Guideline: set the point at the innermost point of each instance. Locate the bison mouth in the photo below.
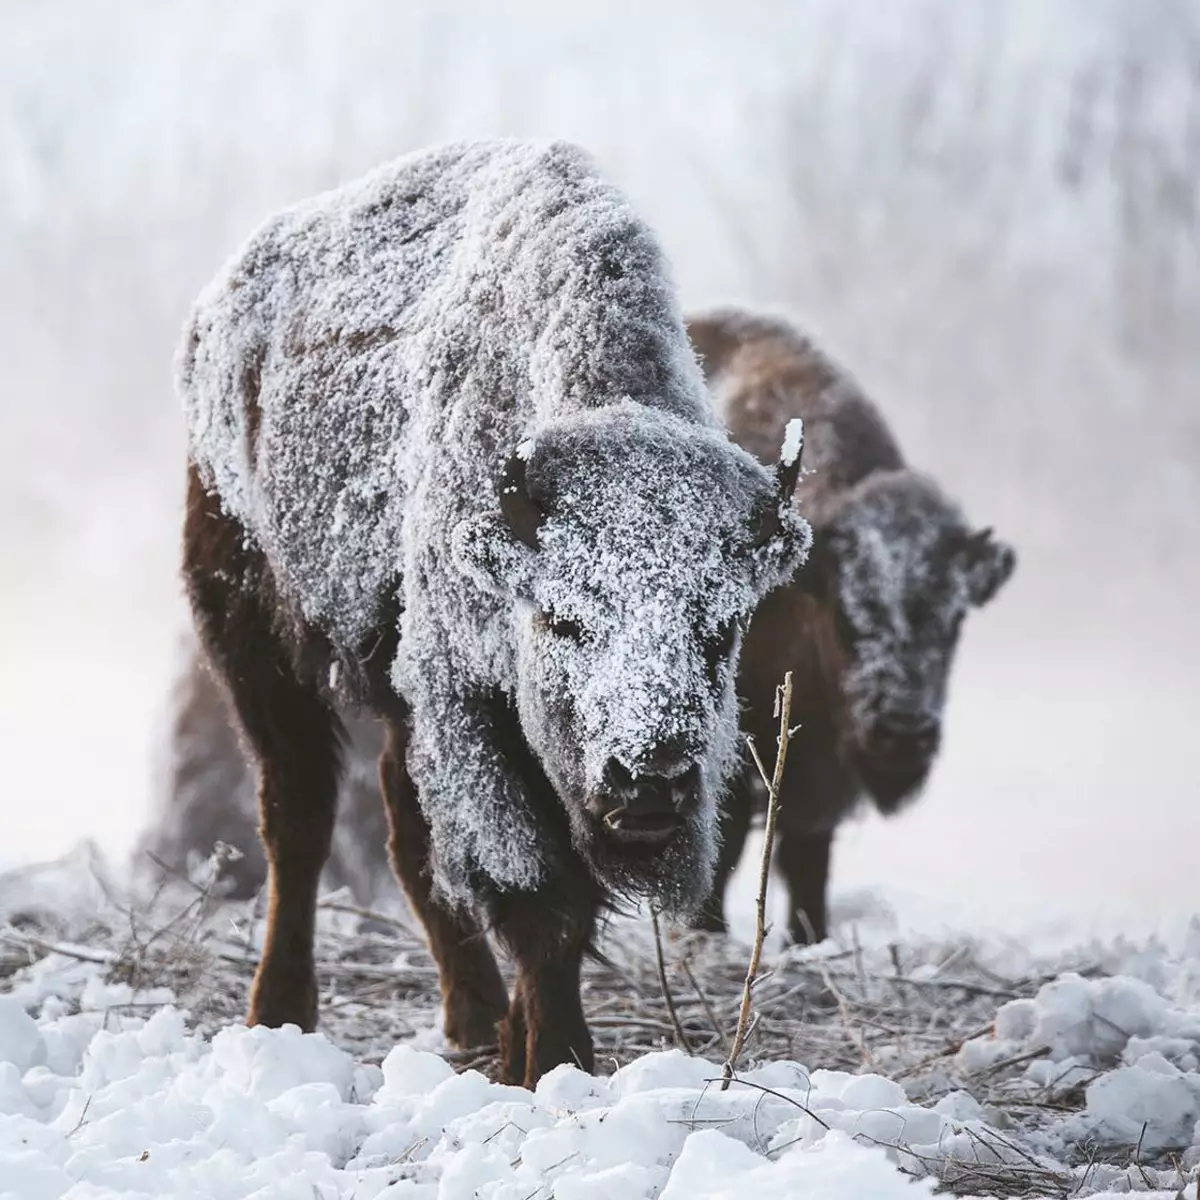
(647, 811)
(893, 758)
(891, 783)
(631, 827)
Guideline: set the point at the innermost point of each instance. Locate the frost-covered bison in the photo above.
(870, 624)
(452, 459)
(205, 792)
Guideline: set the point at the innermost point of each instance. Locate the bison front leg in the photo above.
(498, 836)
(474, 998)
(547, 932)
(803, 860)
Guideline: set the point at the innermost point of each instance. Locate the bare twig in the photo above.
(758, 1087)
(705, 1004)
(680, 1036)
(783, 705)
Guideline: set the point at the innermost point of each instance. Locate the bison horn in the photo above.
(523, 516)
(787, 472)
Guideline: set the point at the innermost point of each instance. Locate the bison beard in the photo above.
(549, 659)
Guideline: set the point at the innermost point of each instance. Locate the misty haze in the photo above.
(988, 214)
(989, 217)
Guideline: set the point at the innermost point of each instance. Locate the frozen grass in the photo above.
(979, 1065)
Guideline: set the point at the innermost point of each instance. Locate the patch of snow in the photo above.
(107, 1090)
(793, 442)
(148, 1109)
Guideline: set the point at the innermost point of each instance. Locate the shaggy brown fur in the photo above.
(206, 792)
(869, 626)
(278, 669)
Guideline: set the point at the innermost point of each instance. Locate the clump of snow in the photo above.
(20, 1043)
(1094, 1019)
(1131, 1049)
(714, 1167)
(355, 380)
(793, 442)
(1152, 1104)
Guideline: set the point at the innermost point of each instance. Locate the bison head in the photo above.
(897, 570)
(632, 548)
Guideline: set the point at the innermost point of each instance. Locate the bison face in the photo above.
(898, 571)
(633, 548)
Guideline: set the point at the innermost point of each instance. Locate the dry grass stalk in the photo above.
(783, 710)
(902, 1014)
(669, 1000)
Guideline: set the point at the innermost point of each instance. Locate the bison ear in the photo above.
(523, 516)
(989, 564)
(787, 472)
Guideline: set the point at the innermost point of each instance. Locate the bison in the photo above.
(869, 625)
(452, 461)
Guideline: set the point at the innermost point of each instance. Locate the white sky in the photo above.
(933, 190)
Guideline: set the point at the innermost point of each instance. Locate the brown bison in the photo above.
(869, 625)
(452, 460)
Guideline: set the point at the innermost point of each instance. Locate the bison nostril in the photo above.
(901, 732)
(618, 779)
(683, 787)
(669, 758)
(651, 797)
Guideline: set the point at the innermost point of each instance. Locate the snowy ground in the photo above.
(877, 1068)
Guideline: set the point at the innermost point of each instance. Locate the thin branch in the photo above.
(783, 704)
(705, 1004)
(680, 1036)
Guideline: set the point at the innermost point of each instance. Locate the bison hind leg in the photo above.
(294, 736)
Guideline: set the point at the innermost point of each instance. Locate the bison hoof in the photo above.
(804, 933)
(283, 998)
(470, 1022)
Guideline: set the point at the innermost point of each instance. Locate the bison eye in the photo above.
(561, 627)
(719, 647)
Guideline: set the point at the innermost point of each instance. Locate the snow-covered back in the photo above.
(901, 566)
(354, 382)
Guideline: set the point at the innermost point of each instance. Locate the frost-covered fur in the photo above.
(870, 625)
(354, 382)
(205, 793)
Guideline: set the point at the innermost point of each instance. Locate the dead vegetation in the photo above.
(903, 1010)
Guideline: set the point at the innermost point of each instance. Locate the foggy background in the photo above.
(989, 213)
